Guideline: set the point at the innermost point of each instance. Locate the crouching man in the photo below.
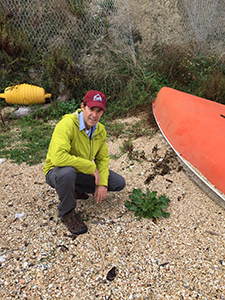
(77, 160)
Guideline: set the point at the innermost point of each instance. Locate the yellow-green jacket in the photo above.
(71, 147)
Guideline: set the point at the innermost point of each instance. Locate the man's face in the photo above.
(91, 115)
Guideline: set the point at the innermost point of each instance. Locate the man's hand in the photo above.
(97, 176)
(100, 190)
(100, 193)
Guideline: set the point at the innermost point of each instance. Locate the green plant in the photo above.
(131, 153)
(57, 110)
(147, 205)
(116, 156)
(26, 140)
(15, 54)
(127, 147)
(59, 69)
(115, 129)
(214, 88)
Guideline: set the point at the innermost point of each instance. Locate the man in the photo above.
(77, 160)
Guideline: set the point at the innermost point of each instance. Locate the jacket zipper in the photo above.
(91, 145)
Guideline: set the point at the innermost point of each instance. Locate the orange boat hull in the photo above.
(195, 127)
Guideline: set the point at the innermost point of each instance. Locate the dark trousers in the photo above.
(64, 180)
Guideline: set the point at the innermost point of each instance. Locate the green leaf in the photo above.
(137, 200)
(153, 195)
(147, 205)
(137, 193)
(148, 214)
(164, 199)
(164, 205)
(148, 192)
(165, 214)
(145, 208)
(130, 206)
(157, 213)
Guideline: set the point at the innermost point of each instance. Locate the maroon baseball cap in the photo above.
(95, 98)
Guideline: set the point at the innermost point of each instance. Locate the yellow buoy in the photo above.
(24, 94)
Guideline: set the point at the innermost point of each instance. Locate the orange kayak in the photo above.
(195, 128)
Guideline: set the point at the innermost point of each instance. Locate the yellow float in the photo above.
(24, 94)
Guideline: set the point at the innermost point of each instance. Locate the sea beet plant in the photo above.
(147, 205)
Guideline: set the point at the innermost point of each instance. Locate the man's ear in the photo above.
(82, 105)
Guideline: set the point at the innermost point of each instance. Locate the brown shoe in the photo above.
(78, 195)
(74, 223)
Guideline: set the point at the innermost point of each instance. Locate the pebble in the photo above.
(1, 160)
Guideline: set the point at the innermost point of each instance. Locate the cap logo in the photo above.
(97, 98)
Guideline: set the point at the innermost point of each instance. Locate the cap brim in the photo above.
(96, 104)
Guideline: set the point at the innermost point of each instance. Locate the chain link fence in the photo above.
(80, 26)
(200, 22)
(75, 25)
